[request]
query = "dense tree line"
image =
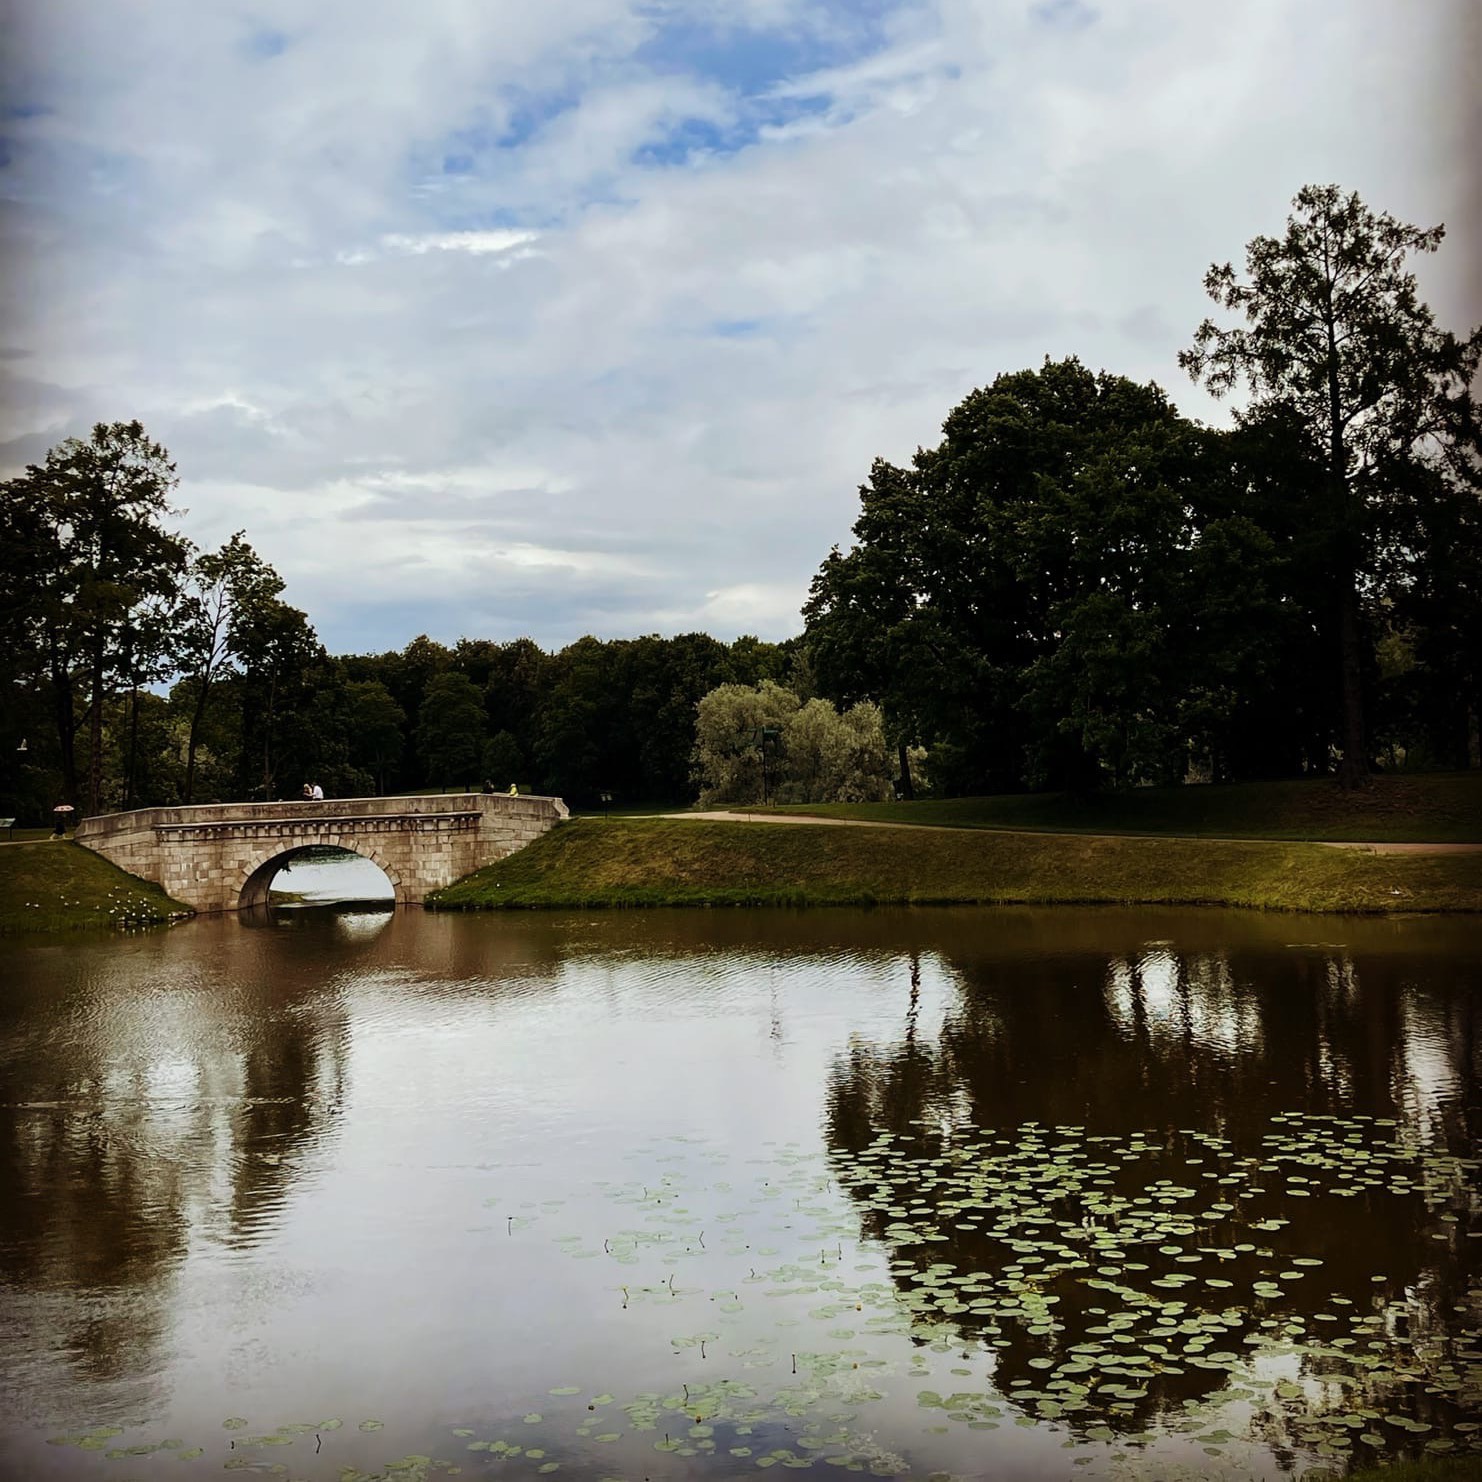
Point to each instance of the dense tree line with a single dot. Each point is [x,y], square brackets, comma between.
[1080,587]
[195,681]
[1077,587]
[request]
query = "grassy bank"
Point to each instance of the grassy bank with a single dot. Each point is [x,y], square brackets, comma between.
[56,885]
[662,862]
[1441,808]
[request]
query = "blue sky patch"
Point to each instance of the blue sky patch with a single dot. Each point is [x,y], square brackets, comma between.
[700,136]
[736,329]
[267,43]
[687,137]
[530,112]
[752,62]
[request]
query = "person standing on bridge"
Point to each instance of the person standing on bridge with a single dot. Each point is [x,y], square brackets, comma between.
[318,793]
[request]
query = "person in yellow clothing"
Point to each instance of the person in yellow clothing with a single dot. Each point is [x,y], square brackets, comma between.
[514,791]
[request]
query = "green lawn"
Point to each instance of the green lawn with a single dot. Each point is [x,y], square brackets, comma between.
[25,835]
[626,809]
[1442,807]
[56,885]
[658,862]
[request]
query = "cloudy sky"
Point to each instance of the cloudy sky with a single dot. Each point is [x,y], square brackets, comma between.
[494,317]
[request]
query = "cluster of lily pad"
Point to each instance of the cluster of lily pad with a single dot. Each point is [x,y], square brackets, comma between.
[1107,1291]
[1112,1290]
[1122,1304]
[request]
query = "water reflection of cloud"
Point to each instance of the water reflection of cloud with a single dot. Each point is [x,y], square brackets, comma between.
[172,1099]
[1269,1056]
[1160,995]
[361,926]
[1425,1082]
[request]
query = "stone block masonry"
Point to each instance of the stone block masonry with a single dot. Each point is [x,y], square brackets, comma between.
[223,856]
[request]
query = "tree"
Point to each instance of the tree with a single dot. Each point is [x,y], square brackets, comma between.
[1011,595]
[225,590]
[827,757]
[1439,614]
[1256,698]
[581,735]
[28,558]
[865,630]
[662,680]
[1337,336]
[450,730]
[420,661]
[732,747]
[515,690]
[148,653]
[503,761]
[278,652]
[150,766]
[758,743]
[377,727]
[100,554]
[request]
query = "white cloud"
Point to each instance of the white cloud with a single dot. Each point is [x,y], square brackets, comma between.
[750,606]
[477,243]
[626,371]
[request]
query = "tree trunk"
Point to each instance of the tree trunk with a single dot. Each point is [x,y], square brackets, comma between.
[133,748]
[1353,770]
[908,792]
[196,717]
[95,732]
[66,718]
[267,741]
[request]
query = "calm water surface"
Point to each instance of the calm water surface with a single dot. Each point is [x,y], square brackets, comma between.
[1009,1193]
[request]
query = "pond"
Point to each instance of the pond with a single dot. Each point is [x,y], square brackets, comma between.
[1017,1193]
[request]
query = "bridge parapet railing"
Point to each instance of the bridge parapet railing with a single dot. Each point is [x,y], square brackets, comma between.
[342,823]
[404,812]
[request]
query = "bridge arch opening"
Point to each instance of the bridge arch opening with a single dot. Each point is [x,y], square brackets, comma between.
[320,875]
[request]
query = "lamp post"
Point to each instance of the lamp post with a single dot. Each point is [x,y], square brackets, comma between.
[763,735]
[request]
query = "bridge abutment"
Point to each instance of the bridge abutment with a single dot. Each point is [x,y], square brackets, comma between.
[222,856]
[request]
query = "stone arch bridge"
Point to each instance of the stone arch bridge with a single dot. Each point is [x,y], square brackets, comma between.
[223,856]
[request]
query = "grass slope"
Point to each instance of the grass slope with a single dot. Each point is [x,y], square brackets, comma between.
[1432,808]
[56,885]
[668,862]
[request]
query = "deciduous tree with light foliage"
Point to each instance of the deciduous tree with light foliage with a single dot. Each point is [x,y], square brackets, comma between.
[753,742]
[834,758]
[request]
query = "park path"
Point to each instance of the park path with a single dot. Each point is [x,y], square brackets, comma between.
[724,815]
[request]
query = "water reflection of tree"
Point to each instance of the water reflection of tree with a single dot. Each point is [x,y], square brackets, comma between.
[1214,1043]
[165,1112]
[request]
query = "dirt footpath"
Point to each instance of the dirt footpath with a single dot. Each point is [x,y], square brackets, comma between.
[723,815]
